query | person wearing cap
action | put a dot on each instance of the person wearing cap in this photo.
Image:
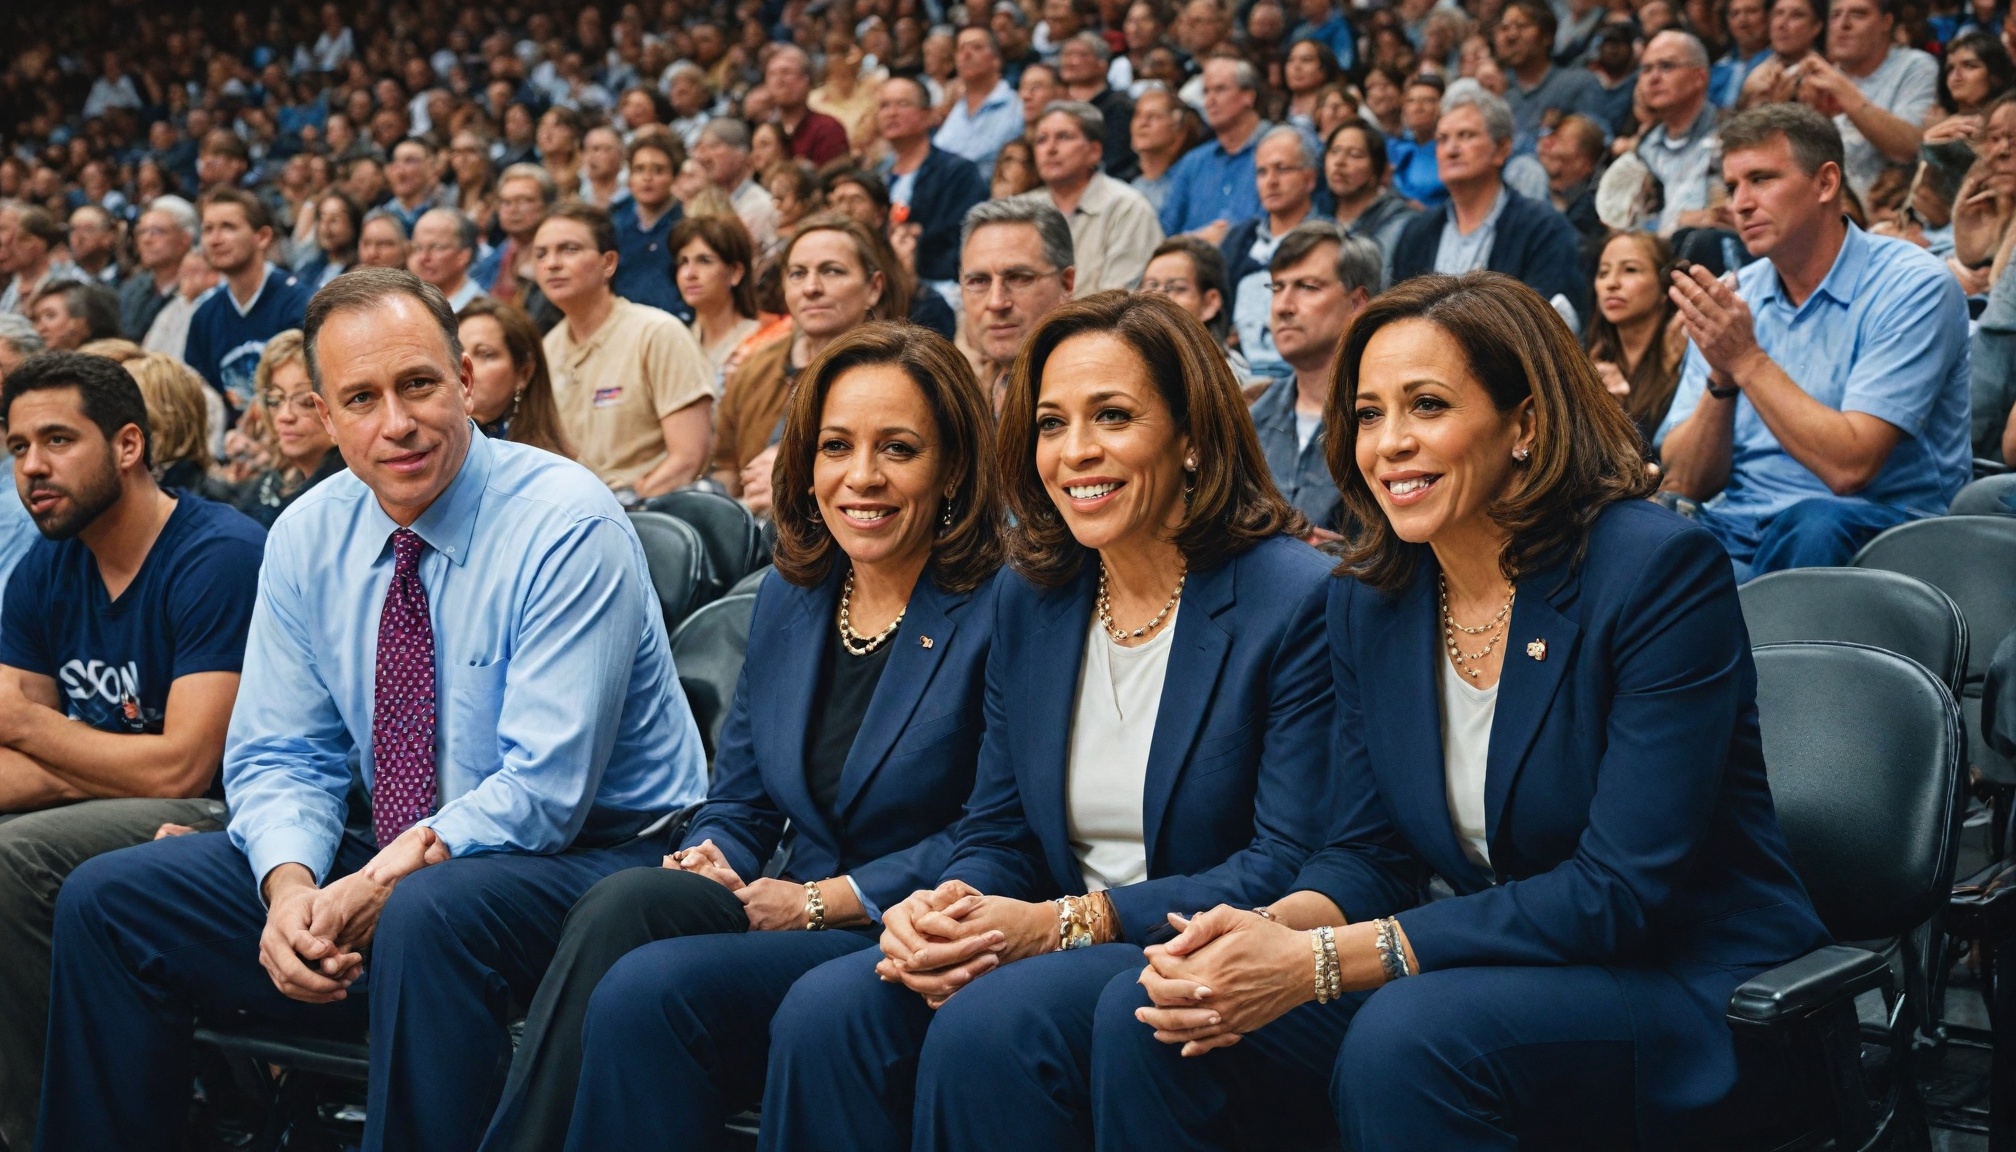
(990, 114)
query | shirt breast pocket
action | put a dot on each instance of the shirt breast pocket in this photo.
(475, 702)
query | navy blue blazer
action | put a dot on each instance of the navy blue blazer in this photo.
(948, 185)
(1629, 821)
(1235, 796)
(1534, 244)
(911, 766)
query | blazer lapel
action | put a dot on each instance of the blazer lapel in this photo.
(1041, 728)
(1196, 654)
(1539, 647)
(790, 687)
(904, 681)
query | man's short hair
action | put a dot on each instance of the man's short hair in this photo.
(596, 220)
(223, 141)
(1304, 148)
(537, 173)
(1244, 74)
(1696, 52)
(1091, 122)
(40, 223)
(683, 67)
(1468, 93)
(362, 288)
(257, 215)
(1358, 263)
(658, 138)
(386, 214)
(1050, 225)
(1813, 138)
(18, 333)
(1096, 43)
(426, 145)
(109, 396)
(862, 178)
(105, 219)
(179, 211)
(95, 304)
(465, 228)
(1587, 134)
(993, 45)
(1542, 15)
(728, 131)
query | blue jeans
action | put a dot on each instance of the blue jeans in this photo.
(1820, 532)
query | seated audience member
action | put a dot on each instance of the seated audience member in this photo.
(1876, 90)
(1082, 63)
(989, 113)
(1813, 429)
(794, 188)
(510, 389)
(644, 223)
(1572, 154)
(1191, 273)
(1635, 338)
(180, 426)
(836, 278)
(1749, 26)
(536, 744)
(524, 193)
(1286, 169)
(1096, 812)
(338, 220)
(164, 234)
(602, 183)
(813, 136)
(444, 248)
(71, 313)
(862, 196)
(715, 267)
(382, 241)
(935, 187)
(120, 649)
(255, 302)
(1796, 30)
(1319, 280)
(1456, 397)
(1613, 61)
(303, 453)
(636, 401)
(723, 152)
(92, 237)
(1355, 168)
(1212, 187)
(1037, 89)
(1417, 175)
(1680, 146)
(1113, 227)
(1014, 170)
(1537, 89)
(18, 341)
(1016, 265)
(1161, 131)
(859, 733)
(169, 333)
(35, 256)
(1485, 224)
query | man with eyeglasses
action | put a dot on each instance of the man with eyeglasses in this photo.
(165, 233)
(1113, 228)
(444, 246)
(1321, 280)
(1016, 263)
(1534, 86)
(936, 188)
(1680, 148)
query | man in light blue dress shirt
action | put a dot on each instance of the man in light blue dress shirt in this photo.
(562, 751)
(1825, 398)
(989, 115)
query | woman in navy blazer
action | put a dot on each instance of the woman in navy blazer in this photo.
(856, 720)
(1158, 705)
(1545, 705)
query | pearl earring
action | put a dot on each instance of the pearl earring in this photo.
(1521, 454)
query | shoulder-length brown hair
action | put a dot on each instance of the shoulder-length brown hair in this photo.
(964, 555)
(1657, 375)
(872, 252)
(536, 419)
(729, 239)
(1585, 450)
(1233, 505)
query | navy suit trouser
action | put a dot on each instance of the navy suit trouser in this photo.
(151, 937)
(864, 1066)
(1461, 1059)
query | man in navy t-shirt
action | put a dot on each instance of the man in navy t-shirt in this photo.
(121, 641)
(228, 332)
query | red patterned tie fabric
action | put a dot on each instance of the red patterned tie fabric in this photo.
(402, 712)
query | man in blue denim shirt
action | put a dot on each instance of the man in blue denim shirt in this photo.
(1825, 398)
(474, 622)
(1322, 279)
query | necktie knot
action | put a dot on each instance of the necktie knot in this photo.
(406, 549)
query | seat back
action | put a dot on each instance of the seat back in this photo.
(1984, 497)
(725, 527)
(677, 559)
(1866, 761)
(751, 582)
(1886, 610)
(708, 649)
(1971, 559)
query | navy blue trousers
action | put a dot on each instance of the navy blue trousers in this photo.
(1822, 532)
(150, 937)
(1468, 1058)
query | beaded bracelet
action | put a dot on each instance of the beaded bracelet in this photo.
(1323, 949)
(1392, 955)
(1073, 928)
(815, 908)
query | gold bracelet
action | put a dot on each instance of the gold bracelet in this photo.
(815, 907)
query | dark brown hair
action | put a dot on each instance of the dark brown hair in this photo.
(1233, 505)
(596, 220)
(361, 288)
(965, 554)
(729, 239)
(870, 250)
(1586, 453)
(535, 419)
(257, 214)
(1657, 376)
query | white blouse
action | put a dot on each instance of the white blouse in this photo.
(1466, 747)
(1119, 695)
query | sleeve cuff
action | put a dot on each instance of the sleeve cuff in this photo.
(289, 845)
(867, 905)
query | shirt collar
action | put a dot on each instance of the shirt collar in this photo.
(1704, 121)
(1252, 142)
(1839, 285)
(449, 523)
(1001, 94)
(245, 309)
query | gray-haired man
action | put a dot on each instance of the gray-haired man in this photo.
(444, 246)
(163, 235)
(1016, 263)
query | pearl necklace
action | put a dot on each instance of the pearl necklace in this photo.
(855, 643)
(1121, 634)
(1495, 627)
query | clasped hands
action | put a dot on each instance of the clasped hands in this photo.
(1227, 972)
(773, 905)
(938, 941)
(315, 938)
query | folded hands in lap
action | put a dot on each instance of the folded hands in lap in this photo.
(1227, 972)
(314, 940)
(938, 941)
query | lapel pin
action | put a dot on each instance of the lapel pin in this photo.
(924, 641)
(1537, 649)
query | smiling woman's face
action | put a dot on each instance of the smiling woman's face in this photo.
(877, 472)
(1107, 446)
(1433, 448)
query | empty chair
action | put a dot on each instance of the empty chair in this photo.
(1867, 767)
(1886, 610)
(678, 562)
(1984, 497)
(751, 582)
(708, 650)
(733, 539)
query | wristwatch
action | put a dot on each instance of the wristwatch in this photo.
(1723, 393)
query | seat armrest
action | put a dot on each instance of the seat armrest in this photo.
(1983, 904)
(1794, 991)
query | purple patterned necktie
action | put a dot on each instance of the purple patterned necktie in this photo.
(402, 711)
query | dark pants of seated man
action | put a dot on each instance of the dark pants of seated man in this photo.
(1820, 532)
(661, 982)
(1469, 1058)
(151, 937)
(37, 851)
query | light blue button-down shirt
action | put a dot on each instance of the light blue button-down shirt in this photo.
(978, 136)
(554, 682)
(1886, 334)
(1209, 184)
